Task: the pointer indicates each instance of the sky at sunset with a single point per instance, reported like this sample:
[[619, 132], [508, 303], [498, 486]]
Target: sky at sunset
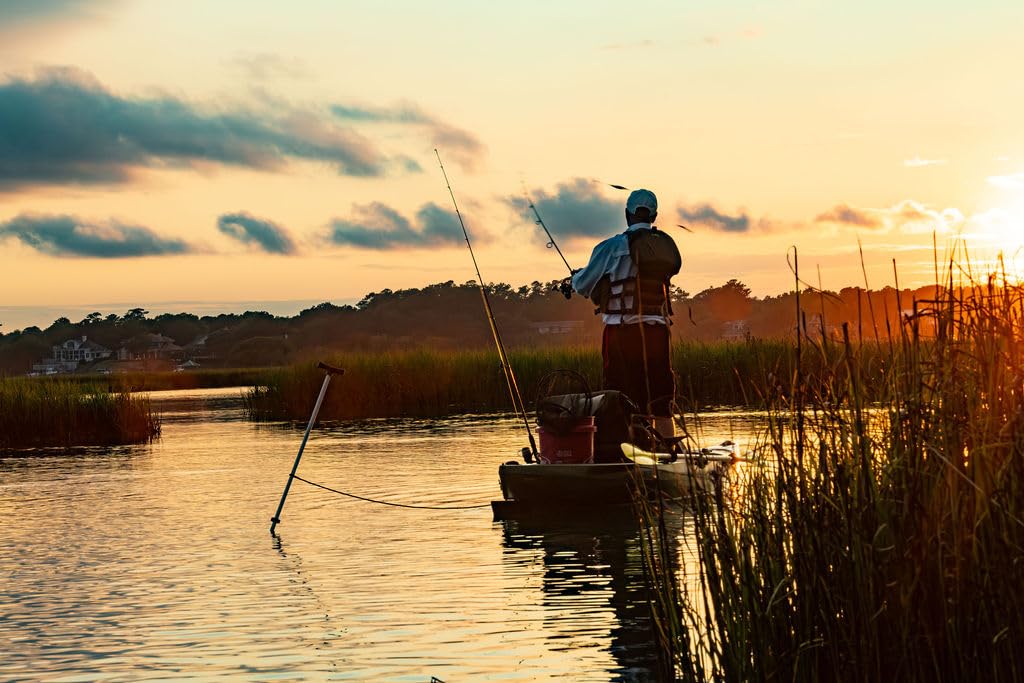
[[218, 156]]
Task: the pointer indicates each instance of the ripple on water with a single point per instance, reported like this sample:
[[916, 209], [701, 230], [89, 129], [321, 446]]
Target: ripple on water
[[154, 562]]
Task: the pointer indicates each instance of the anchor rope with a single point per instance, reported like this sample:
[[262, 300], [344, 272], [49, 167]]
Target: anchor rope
[[397, 505]]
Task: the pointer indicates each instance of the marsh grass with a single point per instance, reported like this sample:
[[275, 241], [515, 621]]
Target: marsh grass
[[205, 378], [411, 383], [36, 413], [881, 536], [436, 383]]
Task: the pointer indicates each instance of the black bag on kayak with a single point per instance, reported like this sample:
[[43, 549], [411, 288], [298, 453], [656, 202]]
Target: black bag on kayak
[[612, 411]]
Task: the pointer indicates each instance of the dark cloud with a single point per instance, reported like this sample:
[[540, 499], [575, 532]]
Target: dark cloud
[[64, 127], [710, 217], [575, 209], [378, 226], [19, 13], [459, 144], [844, 214], [71, 236], [267, 235]]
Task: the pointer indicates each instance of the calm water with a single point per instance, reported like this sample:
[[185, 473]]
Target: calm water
[[155, 562]]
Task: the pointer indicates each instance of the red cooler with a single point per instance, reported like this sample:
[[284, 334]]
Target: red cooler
[[576, 445]]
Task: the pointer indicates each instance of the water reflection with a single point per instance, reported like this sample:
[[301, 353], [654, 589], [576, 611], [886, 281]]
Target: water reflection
[[593, 565], [154, 561]]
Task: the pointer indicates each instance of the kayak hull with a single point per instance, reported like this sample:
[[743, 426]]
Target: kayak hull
[[560, 486]]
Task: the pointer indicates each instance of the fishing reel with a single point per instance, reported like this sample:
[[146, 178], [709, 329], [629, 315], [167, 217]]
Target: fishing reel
[[565, 287]]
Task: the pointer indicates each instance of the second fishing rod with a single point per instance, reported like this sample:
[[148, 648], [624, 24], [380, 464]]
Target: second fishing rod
[[510, 376], [566, 286]]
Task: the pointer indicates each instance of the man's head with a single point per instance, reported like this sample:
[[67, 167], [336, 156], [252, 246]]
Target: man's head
[[641, 207]]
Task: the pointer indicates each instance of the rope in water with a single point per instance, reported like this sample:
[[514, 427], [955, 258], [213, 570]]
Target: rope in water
[[397, 505]]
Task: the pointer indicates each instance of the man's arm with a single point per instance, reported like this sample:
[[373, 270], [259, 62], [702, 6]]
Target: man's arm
[[600, 263]]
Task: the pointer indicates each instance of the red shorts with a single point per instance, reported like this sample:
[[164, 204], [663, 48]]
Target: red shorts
[[622, 349]]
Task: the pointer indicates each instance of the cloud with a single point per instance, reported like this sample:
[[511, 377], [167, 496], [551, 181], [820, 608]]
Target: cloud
[[844, 214], [710, 217], [378, 226], [575, 209], [918, 162], [267, 235], [907, 216], [456, 143], [17, 14], [63, 235], [64, 127], [1014, 181], [266, 66]]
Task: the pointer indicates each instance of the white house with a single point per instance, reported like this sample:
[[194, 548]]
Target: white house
[[69, 354]]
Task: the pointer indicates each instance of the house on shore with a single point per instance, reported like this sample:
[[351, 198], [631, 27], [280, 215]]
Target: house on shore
[[68, 355], [558, 327], [150, 347], [735, 330]]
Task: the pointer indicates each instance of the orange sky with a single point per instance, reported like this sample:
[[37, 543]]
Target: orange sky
[[133, 128]]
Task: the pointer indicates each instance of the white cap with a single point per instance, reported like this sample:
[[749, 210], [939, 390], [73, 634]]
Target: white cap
[[642, 199]]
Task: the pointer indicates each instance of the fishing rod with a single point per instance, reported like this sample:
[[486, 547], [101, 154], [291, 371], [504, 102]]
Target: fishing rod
[[551, 240], [566, 286], [510, 376]]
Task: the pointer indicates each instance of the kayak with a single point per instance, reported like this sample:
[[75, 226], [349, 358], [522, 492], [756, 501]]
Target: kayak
[[558, 486]]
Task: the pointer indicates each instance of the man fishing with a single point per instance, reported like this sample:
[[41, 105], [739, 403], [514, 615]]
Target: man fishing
[[628, 278]]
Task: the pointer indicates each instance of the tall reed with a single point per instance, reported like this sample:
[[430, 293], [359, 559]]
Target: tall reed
[[36, 413], [434, 383], [881, 537], [413, 383]]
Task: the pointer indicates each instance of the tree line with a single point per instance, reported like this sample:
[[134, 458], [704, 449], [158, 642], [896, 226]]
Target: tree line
[[447, 315]]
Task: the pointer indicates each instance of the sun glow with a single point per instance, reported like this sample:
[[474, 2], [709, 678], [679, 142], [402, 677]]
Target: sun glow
[[1003, 227]]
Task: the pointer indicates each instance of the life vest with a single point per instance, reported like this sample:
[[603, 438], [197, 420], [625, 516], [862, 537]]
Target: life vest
[[657, 259]]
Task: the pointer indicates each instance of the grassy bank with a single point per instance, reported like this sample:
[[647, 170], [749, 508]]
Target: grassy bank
[[411, 383], [434, 383], [55, 413], [882, 535], [161, 381]]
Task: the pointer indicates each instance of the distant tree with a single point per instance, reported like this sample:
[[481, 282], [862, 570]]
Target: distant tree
[[23, 351], [136, 314], [260, 351], [181, 327], [677, 294], [325, 307], [91, 319], [730, 301]]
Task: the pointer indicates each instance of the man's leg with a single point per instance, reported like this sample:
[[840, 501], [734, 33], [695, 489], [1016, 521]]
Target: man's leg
[[623, 351], [660, 378], [615, 370]]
